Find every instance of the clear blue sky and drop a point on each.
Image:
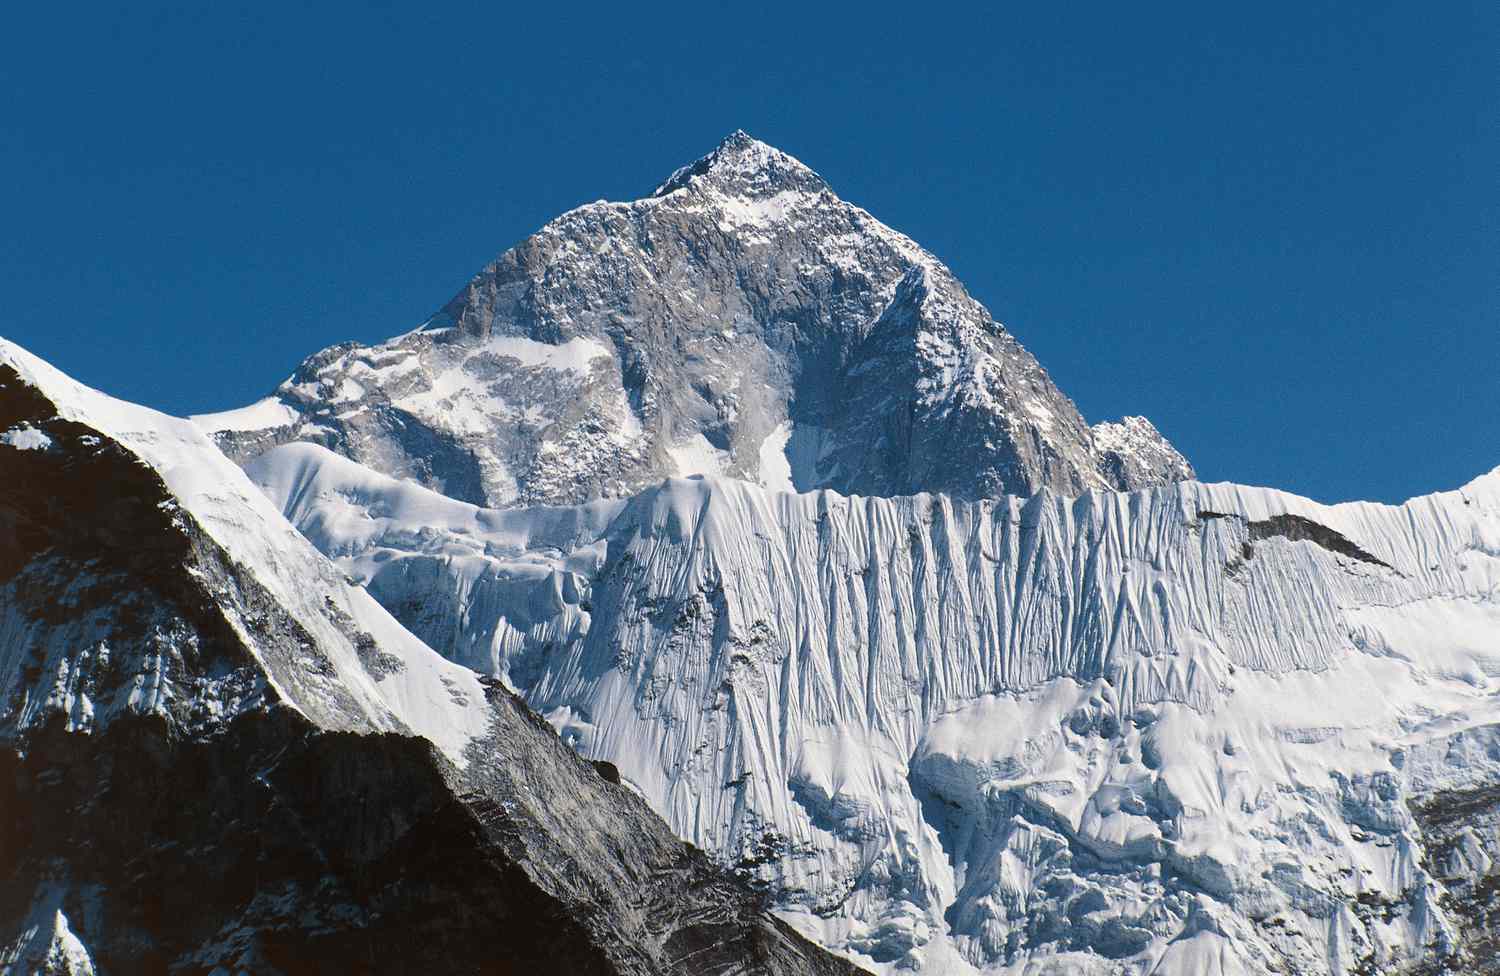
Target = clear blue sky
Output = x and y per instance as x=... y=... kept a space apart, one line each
x=1274 y=229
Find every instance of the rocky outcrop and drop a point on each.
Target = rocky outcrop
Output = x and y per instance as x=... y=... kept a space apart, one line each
x=1457 y=811
x=1134 y=453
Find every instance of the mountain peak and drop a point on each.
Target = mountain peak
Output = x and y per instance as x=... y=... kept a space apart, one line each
x=743 y=165
x=813 y=327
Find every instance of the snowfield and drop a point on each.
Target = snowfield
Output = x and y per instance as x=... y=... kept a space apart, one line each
x=1142 y=732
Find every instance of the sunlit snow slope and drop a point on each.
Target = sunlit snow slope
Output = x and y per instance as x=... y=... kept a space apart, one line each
x=1196 y=728
x=329 y=683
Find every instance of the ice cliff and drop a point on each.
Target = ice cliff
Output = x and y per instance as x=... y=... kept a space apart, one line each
x=1192 y=728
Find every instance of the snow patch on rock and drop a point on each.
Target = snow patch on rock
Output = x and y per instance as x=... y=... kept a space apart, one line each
x=26 y=438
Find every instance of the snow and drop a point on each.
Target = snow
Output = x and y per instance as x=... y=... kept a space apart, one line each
x=45 y=941
x=739 y=157
x=696 y=456
x=1113 y=437
x=346 y=508
x=1203 y=953
x=486 y=394
x=261 y=415
x=1136 y=445
x=1041 y=413
x=26 y=438
x=924 y=697
x=806 y=448
x=613 y=348
x=577 y=354
x=952 y=723
x=386 y=532
x=347 y=391
x=751 y=218
x=775 y=466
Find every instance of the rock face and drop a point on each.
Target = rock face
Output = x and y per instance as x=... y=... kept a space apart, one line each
x=741 y=321
x=1133 y=453
x=218 y=755
x=1189 y=729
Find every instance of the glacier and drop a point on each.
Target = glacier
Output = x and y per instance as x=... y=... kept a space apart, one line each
x=1191 y=728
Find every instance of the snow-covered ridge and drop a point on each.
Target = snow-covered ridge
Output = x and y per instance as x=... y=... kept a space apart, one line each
x=1155 y=727
x=333 y=687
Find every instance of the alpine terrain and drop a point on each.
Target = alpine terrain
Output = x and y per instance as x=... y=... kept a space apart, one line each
x=219 y=755
x=729 y=507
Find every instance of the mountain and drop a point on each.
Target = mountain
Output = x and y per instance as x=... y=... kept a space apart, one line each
x=944 y=678
x=741 y=321
x=218 y=754
x=1188 y=729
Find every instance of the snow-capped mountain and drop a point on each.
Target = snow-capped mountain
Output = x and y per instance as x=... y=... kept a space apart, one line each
x=1189 y=729
x=952 y=680
x=741 y=321
x=219 y=755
